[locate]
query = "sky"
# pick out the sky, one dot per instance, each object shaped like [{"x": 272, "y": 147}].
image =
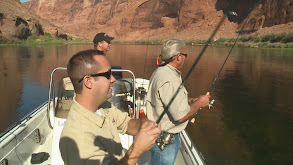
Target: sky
[{"x": 23, "y": 0}]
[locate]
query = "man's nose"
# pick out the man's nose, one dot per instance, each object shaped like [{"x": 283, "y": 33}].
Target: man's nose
[{"x": 112, "y": 79}]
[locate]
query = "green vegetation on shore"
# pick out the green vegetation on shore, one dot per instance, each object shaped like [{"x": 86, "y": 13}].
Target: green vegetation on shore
[
  {"x": 40, "y": 40},
  {"x": 271, "y": 40},
  {"x": 281, "y": 40}
]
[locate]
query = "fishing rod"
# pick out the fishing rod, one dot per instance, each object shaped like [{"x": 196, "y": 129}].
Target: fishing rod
[
  {"x": 228, "y": 11},
  {"x": 212, "y": 101}
]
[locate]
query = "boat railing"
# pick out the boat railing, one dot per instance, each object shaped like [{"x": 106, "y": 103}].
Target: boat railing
[
  {"x": 19, "y": 127},
  {"x": 51, "y": 114},
  {"x": 24, "y": 119},
  {"x": 196, "y": 156},
  {"x": 133, "y": 87}
]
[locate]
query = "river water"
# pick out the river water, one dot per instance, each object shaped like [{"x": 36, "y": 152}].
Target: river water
[{"x": 252, "y": 118}]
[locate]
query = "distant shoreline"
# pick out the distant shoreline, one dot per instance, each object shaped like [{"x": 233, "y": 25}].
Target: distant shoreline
[
  {"x": 195, "y": 43},
  {"x": 218, "y": 43},
  {"x": 271, "y": 40},
  {"x": 282, "y": 40}
]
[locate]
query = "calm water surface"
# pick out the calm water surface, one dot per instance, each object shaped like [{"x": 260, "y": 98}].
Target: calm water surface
[{"x": 251, "y": 121}]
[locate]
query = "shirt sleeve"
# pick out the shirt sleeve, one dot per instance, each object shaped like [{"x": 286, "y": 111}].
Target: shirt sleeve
[
  {"x": 122, "y": 119},
  {"x": 179, "y": 107}
]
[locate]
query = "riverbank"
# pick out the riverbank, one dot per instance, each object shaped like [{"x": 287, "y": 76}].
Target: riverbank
[
  {"x": 270, "y": 40},
  {"x": 220, "y": 42},
  {"x": 282, "y": 40},
  {"x": 42, "y": 39}
]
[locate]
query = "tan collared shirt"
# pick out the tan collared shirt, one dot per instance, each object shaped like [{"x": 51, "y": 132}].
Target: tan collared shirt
[
  {"x": 88, "y": 138},
  {"x": 163, "y": 84}
]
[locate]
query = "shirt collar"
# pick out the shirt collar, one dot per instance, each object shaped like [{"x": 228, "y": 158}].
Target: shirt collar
[
  {"x": 176, "y": 71},
  {"x": 93, "y": 117}
]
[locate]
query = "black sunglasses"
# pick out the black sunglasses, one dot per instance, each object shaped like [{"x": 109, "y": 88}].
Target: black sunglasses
[
  {"x": 107, "y": 74},
  {"x": 109, "y": 42}
]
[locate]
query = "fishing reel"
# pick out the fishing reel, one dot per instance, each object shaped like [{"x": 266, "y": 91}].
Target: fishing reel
[
  {"x": 165, "y": 139},
  {"x": 211, "y": 103}
]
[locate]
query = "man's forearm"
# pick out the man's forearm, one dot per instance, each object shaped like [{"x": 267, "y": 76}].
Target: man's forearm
[
  {"x": 144, "y": 141},
  {"x": 134, "y": 126},
  {"x": 195, "y": 105},
  {"x": 190, "y": 114},
  {"x": 131, "y": 157}
]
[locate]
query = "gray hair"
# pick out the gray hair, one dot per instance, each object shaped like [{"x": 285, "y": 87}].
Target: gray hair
[{"x": 171, "y": 48}]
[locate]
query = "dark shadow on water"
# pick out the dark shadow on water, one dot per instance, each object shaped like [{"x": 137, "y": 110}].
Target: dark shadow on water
[{"x": 266, "y": 132}]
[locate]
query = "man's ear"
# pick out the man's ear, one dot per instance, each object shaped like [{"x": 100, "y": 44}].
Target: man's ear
[
  {"x": 88, "y": 82},
  {"x": 178, "y": 57}
]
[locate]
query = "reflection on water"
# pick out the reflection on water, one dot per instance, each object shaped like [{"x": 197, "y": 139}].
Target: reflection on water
[{"x": 251, "y": 121}]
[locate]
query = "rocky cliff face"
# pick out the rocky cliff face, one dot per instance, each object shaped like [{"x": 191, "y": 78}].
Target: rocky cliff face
[
  {"x": 268, "y": 13},
  {"x": 17, "y": 21},
  {"x": 133, "y": 19},
  {"x": 161, "y": 19}
]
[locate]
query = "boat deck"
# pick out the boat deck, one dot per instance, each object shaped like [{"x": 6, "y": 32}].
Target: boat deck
[{"x": 45, "y": 147}]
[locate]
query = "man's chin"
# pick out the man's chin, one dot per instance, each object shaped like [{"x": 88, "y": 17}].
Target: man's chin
[{"x": 109, "y": 95}]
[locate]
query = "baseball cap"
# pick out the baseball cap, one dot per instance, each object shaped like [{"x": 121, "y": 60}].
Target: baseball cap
[{"x": 102, "y": 37}]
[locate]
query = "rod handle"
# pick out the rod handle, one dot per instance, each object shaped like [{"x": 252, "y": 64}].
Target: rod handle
[{"x": 193, "y": 119}]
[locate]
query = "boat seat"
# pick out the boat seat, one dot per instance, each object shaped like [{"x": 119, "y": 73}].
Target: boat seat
[
  {"x": 63, "y": 108},
  {"x": 64, "y": 102},
  {"x": 65, "y": 98},
  {"x": 122, "y": 86},
  {"x": 67, "y": 84}
]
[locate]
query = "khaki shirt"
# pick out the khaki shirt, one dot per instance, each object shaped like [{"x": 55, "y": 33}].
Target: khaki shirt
[
  {"x": 163, "y": 84},
  {"x": 88, "y": 138}
]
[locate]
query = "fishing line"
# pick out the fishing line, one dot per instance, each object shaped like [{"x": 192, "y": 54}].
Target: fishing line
[
  {"x": 145, "y": 61},
  {"x": 197, "y": 60},
  {"x": 212, "y": 101},
  {"x": 224, "y": 63},
  {"x": 146, "y": 56},
  {"x": 16, "y": 149},
  {"x": 143, "y": 78}
]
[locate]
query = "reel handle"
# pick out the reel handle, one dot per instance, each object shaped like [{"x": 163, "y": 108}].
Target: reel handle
[{"x": 210, "y": 106}]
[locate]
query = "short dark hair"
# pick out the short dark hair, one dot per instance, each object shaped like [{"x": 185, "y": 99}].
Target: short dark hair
[{"x": 81, "y": 64}]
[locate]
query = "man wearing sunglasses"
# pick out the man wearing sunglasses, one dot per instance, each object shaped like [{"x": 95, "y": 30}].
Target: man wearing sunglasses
[
  {"x": 164, "y": 82},
  {"x": 102, "y": 42},
  {"x": 91, "y": 134}
]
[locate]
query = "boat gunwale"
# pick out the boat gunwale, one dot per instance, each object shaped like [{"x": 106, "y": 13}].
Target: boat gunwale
[{"x": 22, "y": 121}]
